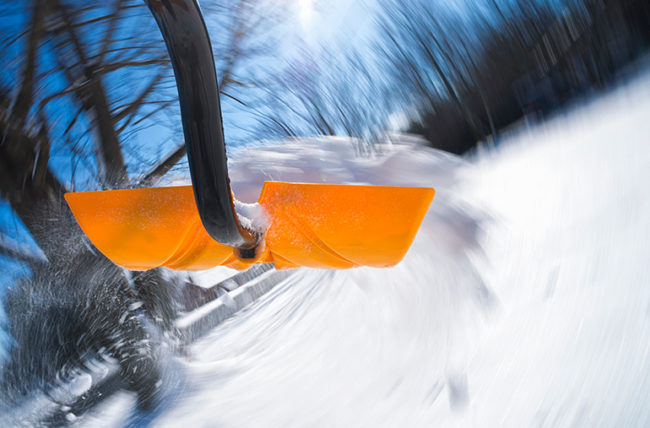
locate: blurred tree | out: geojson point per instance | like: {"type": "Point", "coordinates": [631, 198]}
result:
{"type": "Point", "coordinates": [81, 81]}
{"type": "Point", "coordinates": [324, 90]}
{"type": "Point", "coordinates": [455, 70]}
{"type": "Point", "coordinates": [463, 76]}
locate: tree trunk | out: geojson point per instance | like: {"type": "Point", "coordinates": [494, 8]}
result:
{"type": "Point", "coordinates": [77, 274]}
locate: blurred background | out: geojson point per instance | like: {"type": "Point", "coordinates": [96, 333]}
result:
{"type": "Point", "coordinates": [88, 101]}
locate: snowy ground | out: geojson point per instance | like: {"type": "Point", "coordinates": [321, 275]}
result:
{"type": "Point", "coordinates": [524, 301]}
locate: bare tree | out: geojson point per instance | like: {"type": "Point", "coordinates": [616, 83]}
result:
{"type": "Point", "coordinates": [325, 92]}
{"type": "Point", "coordinates": [82, 80]}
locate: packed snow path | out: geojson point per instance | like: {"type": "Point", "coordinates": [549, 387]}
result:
{"type": "Point", "coordinates": [524, 301]}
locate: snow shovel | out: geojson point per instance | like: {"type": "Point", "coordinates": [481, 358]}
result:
{"type": "Point", "coordinates": [197, 227]}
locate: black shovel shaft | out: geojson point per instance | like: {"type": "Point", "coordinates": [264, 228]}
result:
{"type": "Point", "coordinates": [188, 44]}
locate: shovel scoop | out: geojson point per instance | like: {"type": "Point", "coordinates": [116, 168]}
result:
{"type": "Point", "coordinates": [197, 227]}
{"type": "Point", "coordinates": [313, 225]}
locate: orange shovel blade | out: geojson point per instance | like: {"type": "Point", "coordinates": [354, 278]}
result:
{"type": "Point", "coordinates": [313, 225]}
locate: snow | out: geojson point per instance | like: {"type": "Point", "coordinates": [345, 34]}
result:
{"type": "Point", "coordinates": [68, 390]}
{"type": "Point", "coordinates": [252, 216]}
{"type": "Point", "coordinates": [80, 384]}
{"type": "Point", "coordinates": [226, 299]}
{"type": "Point", "coordinates": [211, 277]}
{"type": "Point", "coordinates": [524, 300]}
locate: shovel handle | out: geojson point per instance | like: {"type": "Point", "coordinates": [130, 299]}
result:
{"type": "Point", "coordinates": [188, 44]}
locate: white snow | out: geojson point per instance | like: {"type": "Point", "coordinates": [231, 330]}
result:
{"type": "Point", "coordinates": [135, 305]}
{"type": "Point", "coordinates": [80, 384]}
{"type": "Point", "coordinates": [226, 299]}
{"type": "Point", "coordinates": [211, 277]}
{"type": "Point", "coordinates": [68, 390]}
{"type": "Point", "coordinates": [252, 216]}
{"type": "Point", "coordinates": [524, 301]}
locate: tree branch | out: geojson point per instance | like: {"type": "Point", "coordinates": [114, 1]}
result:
{"type": "Point", "coordinates": [94, 98]}
{"type": "Point", "coordinates": [110, 31]}
{"type": "Point", "coordinates": [139, 101]}
{"type": "Point", "coordinates": [18, 253]}
{"type": "Point", "coordinates": [162, 167]}
{"type": "Point", "coordinates": [23, 102]}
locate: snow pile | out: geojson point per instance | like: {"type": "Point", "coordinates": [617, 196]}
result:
{"type": "Point", "coordinates": [569, 263]}
{"type": "Point", "coordinates": [533, 310]}
{"type": "Point", "coordinates": [348, 347]}
{"type": "Point", "coordinates": [327, 339]}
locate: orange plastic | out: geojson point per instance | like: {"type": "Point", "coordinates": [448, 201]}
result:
{"type": "Point", "coordinates": [314, 225]}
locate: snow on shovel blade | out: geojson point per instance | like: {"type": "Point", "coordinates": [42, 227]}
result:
{"type": "Point", "coordinates": [313, 225]}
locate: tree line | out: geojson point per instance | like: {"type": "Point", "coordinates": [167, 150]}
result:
{"type": "Point", "coordinates": [468, 77]}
